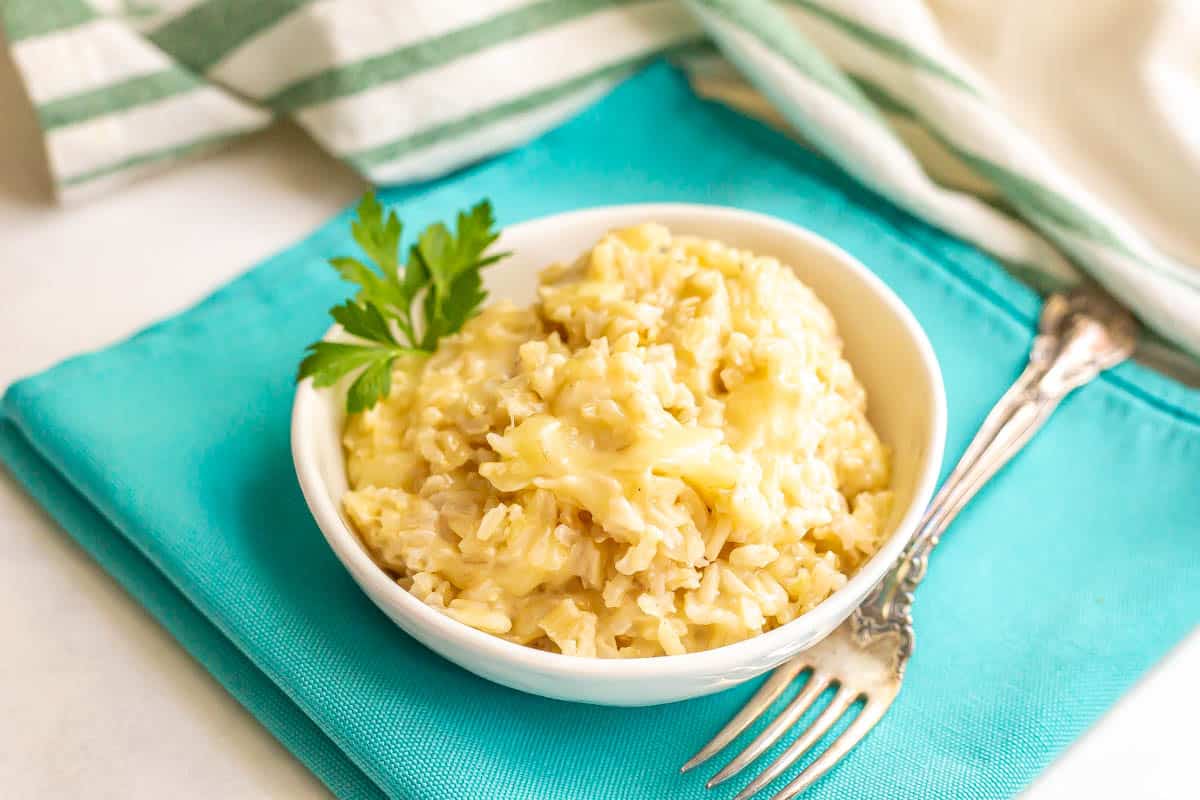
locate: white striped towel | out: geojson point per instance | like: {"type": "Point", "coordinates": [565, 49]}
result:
{"type": "Point", "coordinates": [1055, 141]}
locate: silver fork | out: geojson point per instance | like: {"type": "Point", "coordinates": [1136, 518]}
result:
{"type": "Point", "coordinates": [1080, 334]}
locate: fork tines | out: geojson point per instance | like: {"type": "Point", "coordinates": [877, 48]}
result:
{"type": "Point", "coordinates": [817, 684]}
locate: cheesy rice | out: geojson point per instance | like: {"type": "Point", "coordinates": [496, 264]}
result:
{"type": "Point", "coordinates": [667, 453]}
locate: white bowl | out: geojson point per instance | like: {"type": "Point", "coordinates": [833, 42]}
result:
{"type": "Point", "coordinates": [885, 345]}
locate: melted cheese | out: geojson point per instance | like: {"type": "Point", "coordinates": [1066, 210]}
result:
{"type": "Point", "coordinates": [666, 453]}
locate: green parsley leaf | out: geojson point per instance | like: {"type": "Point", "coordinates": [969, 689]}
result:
{"type": "Point", "coordinates": [474, 231]}
{"type": "Point", "coordinates": [327, 362]}
{"type": "Point", "coordinates": [364, 321]}
{"type": "Point", "coordinates": [465, 296]}
{"type": "Point", "coordinates": [379, 238]}
{"type": "Point", "coordinates": [372, 288]}
{"type": "Point", "coordinates": [416, 275]}
{"type": "Point", "coordinates": [374, 382]}
{"type": "Point", "coordinates": [448, 256]}
{"type": "Point", "coordinates": [441, 279]}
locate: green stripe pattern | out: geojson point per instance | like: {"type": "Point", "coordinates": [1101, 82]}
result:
{"type": "Point", "coordinates": [159, 156]}
{"type": "Point", "coordinates": [365, 160]}
{"type": "Point", "coordinates": [762, 20]}
{"type": "Point", "coordinates": [28, 19]}
{"type": "Point", "coordinates": [1051, 203]}
{"type": "Point", "coordinates": [358, 76]}
{"type": "Point", "coordinates": [1041, 205]}
{"type": "Point", "coordinates": [884, 44]}
{"type": "Point", "coordinates": [195, 41]}
{"type": "Point", "coordinates": [208, 32]}
{"type": "Point", "coordinates": [116, 97]}
{"type": "Point", "coordinates": [170, 69]}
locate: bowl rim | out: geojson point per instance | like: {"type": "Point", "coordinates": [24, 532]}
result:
{"type": "Point", "coordinates": [354, 557]}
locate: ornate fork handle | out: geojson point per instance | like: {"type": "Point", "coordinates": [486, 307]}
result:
{"type": "Point", "coordinates": [1079, 336]}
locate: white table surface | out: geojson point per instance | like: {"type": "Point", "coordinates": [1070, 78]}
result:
{"type": "Point", "coordinates": [96, 700]}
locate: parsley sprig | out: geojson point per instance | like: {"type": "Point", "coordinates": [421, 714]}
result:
{"type": "Point", "coordinates": [441, 279]}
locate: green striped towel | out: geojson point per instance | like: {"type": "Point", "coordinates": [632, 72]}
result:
{"type": "Point", "coordinates": [405, 91]}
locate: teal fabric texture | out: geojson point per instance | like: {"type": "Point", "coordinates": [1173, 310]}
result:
{"type": "Point", "coordinates": [167, 458]}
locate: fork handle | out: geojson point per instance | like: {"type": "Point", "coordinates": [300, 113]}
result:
{"type": "Point", "coordinates": [1080, 335]}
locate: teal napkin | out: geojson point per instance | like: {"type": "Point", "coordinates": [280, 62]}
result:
{"type": "Point", "coordinates": [167, 458]}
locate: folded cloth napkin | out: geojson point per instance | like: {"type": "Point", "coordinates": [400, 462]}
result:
{"type": "Point", "coordinates": [971, 115]}
{"type": "Point", "coordinates": [167, 457]}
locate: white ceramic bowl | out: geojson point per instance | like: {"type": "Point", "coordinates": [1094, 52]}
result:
{"type": "Point", "coordinates": [889, 353]}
